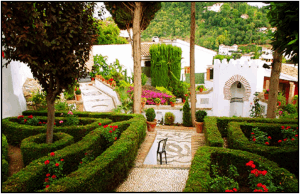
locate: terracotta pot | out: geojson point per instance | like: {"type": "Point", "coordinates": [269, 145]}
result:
{"type": "Point", "coordinates": [266, 96]}
{"type": "Point", "coordinates": [199, 126]}
{"type": "Point", "coordinates": [92, 78]}
{"type": "Point", "coordinates": [143, 104]}
{"type": "Point", "coordinates": [151, 125]}
{"type": "Point", "coordinates": [201, 89]}
{"type": "Point", "coordinates": [157, 104]}
{"type": "Point", "coordinates": [172, 104]}
{"type": "Point", "coordinates": [78, 97]}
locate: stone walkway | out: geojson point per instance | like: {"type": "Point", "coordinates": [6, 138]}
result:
{"type": "Point", "coordinates": [94, 100]}
{"type": "Point", "coordinates": [169, 177]}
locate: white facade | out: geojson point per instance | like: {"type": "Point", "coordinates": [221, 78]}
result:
{"type": "Point", "coordinates": [13, 78]}
{"type": "Point", "coordinates": [226, 50]}
{"type": "Point", "coordinates": [215, 7]}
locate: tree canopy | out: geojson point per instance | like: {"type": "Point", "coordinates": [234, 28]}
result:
{"type": "Point", "coordinates": [53, 38]}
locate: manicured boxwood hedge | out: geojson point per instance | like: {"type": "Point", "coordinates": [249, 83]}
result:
{"type": "Point", "coordinates": [16, 132]}
{"type": "Point", "coordinates": [4, 155]}
{"type": "Point", "coordinates": [112, 163]}
{"type": "Point", "coordinates": [286, 157]}
{"type": "Point", "coordinates": [212, 134]}
{"type": "Point", "coordinates": [199, 174]}
{"type": "Point", "coordinates": [35, 147]}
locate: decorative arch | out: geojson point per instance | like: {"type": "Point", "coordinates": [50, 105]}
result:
{"type": "Point", "coordinates": [233, 79]}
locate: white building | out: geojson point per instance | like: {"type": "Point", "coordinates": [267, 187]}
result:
{"type": "Point", "coordinates": [227, 50]}
{"type": "Point", "coordinates": [215, 7]}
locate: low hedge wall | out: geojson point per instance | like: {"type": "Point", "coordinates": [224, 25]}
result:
{"type": "Point", "coordinates": [286, 157]}
{"type": "Point", "coordinates": [222, 122]}
{"type": "Point", "coordinates": [35, 147]}
{"type": "Point", "coordinates": [199, 174]}
{"type": "Point", "coordinates": [113, 164]}
{"type": "Point", "coordinates": [212, 134]}
{"type": "Point", "coordinates": [16, 132]}
{"type": "Point", "coordinates": [4, 156]}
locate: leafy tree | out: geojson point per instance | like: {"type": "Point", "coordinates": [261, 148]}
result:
{"type": "Point", "coordinates": [136, 15]}
{"type": "Point", "coordinates": [285, 17]}
{"type": "Point", "coordinates": [53, 38]}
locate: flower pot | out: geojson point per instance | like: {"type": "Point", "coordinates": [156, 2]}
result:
{"type": "Point", "coordinates": [157, 104]}
{"type": "Point", "coordinates": [199, 126]}
{"type": "Point", "coordinates": [266, 96]}
{"type": "Point", "coordinates": [78, 97]}
{"type": "Point", "coordinates": [201, 89]}
{"type": "Point", "coordinates": [143, 104]}
{"type": "Point", "coordinates": [92, 78]}
{"type": "Point", "coordinates": [151, 125]}
{"type": "Point", "coordinates": [172, 104]}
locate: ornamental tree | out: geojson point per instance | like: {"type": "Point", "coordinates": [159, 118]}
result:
{"type": "Point", "coordinates": [136, 15]}
{"type": "Point", "coordinates": [54, 39]}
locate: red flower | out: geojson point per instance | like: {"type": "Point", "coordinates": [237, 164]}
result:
{"type": "Point", "coordinates": [285, 139]}
{"type": "Point", "coordinates": [57, 164]}
{"type": "Point", "coordinates": [279, 103]}
{"type": "Point", "coordinates": [253, 139]}
{"type": "Point", "coordinates": [252, 165]}
{"type": "Point", "coordinates": [264, 172]}
{"type": "Point", "coordinates": [3, 54]}
{"type": "Point", "coordinates": [52, 154]}
{"type": "Point", "coordinates": [47, 175]}
{"type": "Point", "coordinates": [21, 116]}
{"type": "Point", "coordinates": [227, 191]}
{"type": "Point", "coordinates": [53, 176]}
{"type": "Point", "coordinates": [80, 162]}
{"type": "Point", "coordinates": [252, 133]}
{"type": "Point", "coordinates": [105, 126]}
{"type": "Point", "coordinates": [47, 186]}
{"type": "Point", "coordinates": [116, 138]}
{"type": "Point", "coordinates": [62, 160]}
{"type": "Point", "coordinates": [85, 153]}
{"type": "Point", "coordinates": [257, 190]}
{"type": "Point", "coordinates": [111, 126]}
{"type": "Point", "coordinates": [110, 131]}
{"type": "Point", "coordinates": [264, 186]}
{"type": "Point", "coordinates": [47, 162]}
{"type": "Point", "coordinates": [234, 189]}
{"type": "Point", "coordinates": [296, 135]}
{"type": "Point", "coordinates": [44, 122]}
{"type": "Point", "coordinates": [30, 117]}
{"type": "Point", "coordinates": [292, 139]}
{"type": "Point", "coordinates": [269, 137]}
{"type": "Point", "coordinates": [40, 122]}
{"type": "Point", "coordinates": [282, 127]}
{"type": "Point", "coordinates": [259, 185]}
{"type": "Point", "coordinates": [186, 95]}
{"type": "Point", "coordinates": [54, 123]}
{"type": "Point", "coordinates": [99, 124]}
{"type": "Point", "coordinates": [46, 179]}
{"type": "Point", "coordinates": [249, 163]}
{"type": "Point", "coordinates": [288, 127]}
{"type": "Point", "coordinates": [267, 143]}
{"type": "Point", "coordinates": [75, 89]}
{"type": "Point", "coordinates": [114, 129]}
{"type": "Point", "coordinates": [25, 120]}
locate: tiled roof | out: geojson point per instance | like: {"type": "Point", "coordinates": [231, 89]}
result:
{"type": "Point", "coordinates": [145, 47]}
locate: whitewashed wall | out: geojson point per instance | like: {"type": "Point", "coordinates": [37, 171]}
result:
{"type": "Point", "coordinates": [13, 78]}
{"type": "Point", "coordinates": [252, 71]}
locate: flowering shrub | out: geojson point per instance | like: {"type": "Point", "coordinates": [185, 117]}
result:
{"type": "Point", "coordinates": [71, 119]}
{"type": "Point", "coordinates": [151, 95]}
{"type": "Point", "coordinates": [260, 137]}
{"type": "Point", "coordinates": [224, 183]}
{"type": "Point", "coordinates": [77, 91]}
{"type": "Point", "coordinates": [54, 170]}
{"type": "Point", "coordinates": [88, 157]}
{"type": "Point", "coordinates": [111, 133]}
{"type": "Point", "coordinates": [261, 180]}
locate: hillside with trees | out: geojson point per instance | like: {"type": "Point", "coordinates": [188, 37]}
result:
{"type": "Point", "coordinates": [212, 28]}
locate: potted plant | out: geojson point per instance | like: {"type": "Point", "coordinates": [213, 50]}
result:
{"type": "Point", "coordinates": [110, 81]}
{"type": "Point", "coordinates": [144, 100]}
{"type": "Point", "coordinates": [92, 76]}
{"type": "Point", "coordinates": [200, 114]}
{"type": "Point", "coordinates": [78, 94]}
{"type": "Point", "coordinates": [266, 94]}
{"type": "Point", "coordinates": [157, 101]}
{"type": "Point", "coordinates": [169, 118]}
{"type": "Point", "coordinates": [151, 121]}
{"type": "Point", "coordinates": [172, 101]}
{"type": "Point", "coordinates": [201, 88]}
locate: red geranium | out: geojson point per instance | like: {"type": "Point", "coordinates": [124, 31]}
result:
{"type": "Point", "coordinates": [253, 139]}
{"type": "Point", "coordinates": [296, 135]}
{"type": "Point", "coordinates": [285, 139]}
{"type": "Point", "coordinates": [99, 124]}
{"type": "Point", "coordinates": [269, 137]}
{"type": "Point", "coordinates": [62, 160]}
{"type": "Point", "coordinates": [47, 175]}
{"type": "Point", "coordinates": [116, 138]}
{"type": "Point", "coordinates": [282, 127]}
{"type": "Point", "coordinates": [46, 179]}
{"type": "Point", "coordinates": [105, 126]}
{"type": "Point", "coordinates": [111, 79]}
{"type": "Point", "coordinates": [234, 189]}
{"type": "Point", "coordinates": [252, 133]}
{"type": "Point", "coordinates": [279, 103]}
{"type": "Point", "coordinates": [21, 116]}
{"type": "Point", "coordinates": [110, 126]}
{"type": "Point", "coordinates": [52, 154]}
{"type": "Point", "coordinates": [267, 143]}
{"type": "Point", "coordinates": [264, 172]}
{"type": "Point", "coordinates": [57, 164]}
{"type": "Point", "coordinates": [47, 162]}
{"type": "Point", "coordinates": [30, 117]}
{"type": "Point", "coordinates": [53, 176]}
{"type": "Point", "coordinates": [40, 122]}
{"type": "Point", "coordinates": [292, 139]}
{"type": "Point", "coordinates": [25, 120]}
{"type": "Point", "coordinates": [47, 186]}
{"type": "Point", "coordinates": [288, 127]}
{"type": "Point", "coordinates": [259, 185]}
{"type": "Point", "coordinates": [110, 131]}
{"type": "Point", "coordinates": [279, 141]}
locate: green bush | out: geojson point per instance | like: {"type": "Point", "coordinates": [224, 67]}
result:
{"type": "Point", "coordinates": [199, 174]}
{"type": "Point", "coordinates": [212, 134]}
{"type": "Point", "coordinates": [200, 115]}
{"type": "Point", "coordinates": [150, 114]}
{"type": "Point", "coordinates": [144, 79]}
{"type": "Point", "coordinates": [187, 120]}
{"type": "Point", "coordinates": [35, 147]}
{"type": "Point", "coordinates": [290, 108]}
{"type": "Point", "coordinates": [4, 155]}
{"type": "Point", "coordinates": [169, 118]}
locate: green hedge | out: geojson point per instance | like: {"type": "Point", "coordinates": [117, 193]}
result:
{"type": "Point", "coordinates": [114, 164]}
{"type": "Point", "coordinates": [16, 132]}
{"type": "Point", "coordinates": [199, 174]}
{"type": "Point", "coordinates": [35, 147]}
{"type": "Point", "coordinates": [212, 134]}
{"type": "Point", "coordinates": [4, 155]}
{"type": "Point", "coordinates": [222, 122]}
{"type": "Point", "coordinates": [286, 157]}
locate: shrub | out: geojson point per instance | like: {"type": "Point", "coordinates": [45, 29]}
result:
{"type": "Point", "coordinates": [4, 155]}
{"type": "Point", "coordinates": [77, 91]}
{"type": "Point", "coordinates": [281, 98]}
{"type": "Point", "coordinates": [212, 134]}
{"type": "Point", "coordinates": [157, 100]}
{"type": "Point", "coordinates": [290, 108]}
{"type": "Point", "coordinates": [150, 114]}
{"type": "Point", "coordinates": [187, 120]}
{"type": "Point", "coordinates": [200, 115]}
{"type": "Point", "coordinates": [144, 79]}
{"type": "Point", "coordinates": [169, 118]}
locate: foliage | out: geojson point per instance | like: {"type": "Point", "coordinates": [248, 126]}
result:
{"type": "Point", "coordinates": [285, 17]}
{"type": "Point", "coordinates": [53, 39]}
{"type": "Point", "coordinates": [54, 170]}
{"type": "Point", "coordinates": [63, 105]}
{"type": "Point", "coordinates": [256, 110]}
{"type": "Point", "coordinates": [4, 157]}
{"type": "Point", "coordinates": [164, 90]}
{"type": "Point", "coordinates": [178, 88]}
{"type": "Point", "coordinates": [144, 79]}
{"type": "Point", "coordinates": [77, 91]}
{"type": "Point", "coordinates": [173, 99]}
{"type": "Point", "coordinates": [221, 57]}
{"type": "Point", "coordinates": [266, 91]}
{"type": "Point", "coordinates": [187, 118]}
{"type": "Point", "coordinates": [281, 98]}
{"type": "Point", "coordinates": [227, 27]}
{"type": "Point", "coordinates": [290, 108]}
{"type": "Point", "coordinates": [150, 114]}
{"type": "Point", "coordinates": [125, 97]}
{"type": "Point", "coordinates": [39, 98]}
{"type": "Point", "coordinates": [111, 133]}
{"type": "Point", "coordinates": [157, 100]}
{"type": "Point", "coordinates": [164, 60]}
{"type": "Point", "coordinates": [260, 137]}
{"type": "Point", "coordinates": [200, 115]}
{"type": "Point", "coordinates": [169, 118]}
{"type": "Point", "coordinates": [289, 136]}
{"type": "Point", "coordinates": [88, 157]}
{"type": "Point", "coordinates": [223, 183]}
{"type": "Point", "coordinates": [108, 33]}
{"type": "Point", "coordinates": [71, 119]}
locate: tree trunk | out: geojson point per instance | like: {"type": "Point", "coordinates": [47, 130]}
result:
{"type": "Point", "coordinates": [274, 84]}
{"type": "Point", "coordinates": [137, 58]}
{"type": "Point", "coordinates": [50, 119]}
{"type": "Point", "coordinates": [192, 63]}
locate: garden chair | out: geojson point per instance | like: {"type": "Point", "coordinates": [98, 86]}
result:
{"type": "Point", "coordinates": [161, 149]}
